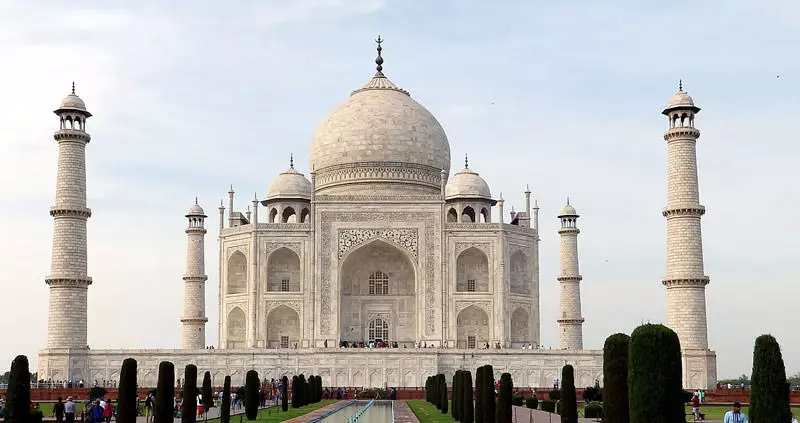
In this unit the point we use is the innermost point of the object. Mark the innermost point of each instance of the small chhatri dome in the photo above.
(290, 184)
(567, 210)
(681, 100)
(467, 184)
(380, 125)
(195, 210)
(72, 103)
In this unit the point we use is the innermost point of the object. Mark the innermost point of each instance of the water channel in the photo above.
(378, 412)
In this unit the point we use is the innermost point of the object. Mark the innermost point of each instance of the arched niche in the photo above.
(472, 328)
(383, 264)
(452, 215)
(468, 215)
(235, 332)
(289, 215)
(520, 326)
(283, 271)
(283, 327)
(237, 274)
(472, 271)
(521, 277)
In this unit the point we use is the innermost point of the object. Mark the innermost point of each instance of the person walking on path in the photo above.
(735, 415)
(148, 408)
(696, 407)
(69, 410)
(58, 411)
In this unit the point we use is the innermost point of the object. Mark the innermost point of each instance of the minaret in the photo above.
(685, 280)
(570, 320)
(500, 203)
(193, 321)
(68, 279)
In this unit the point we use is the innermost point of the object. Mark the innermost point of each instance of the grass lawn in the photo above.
(427, 412)
(47, 408)
(717, 412)
(275, 415)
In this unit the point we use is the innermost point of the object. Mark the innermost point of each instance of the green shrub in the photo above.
(517, 400)
(592, 394)
(454, 410)
(443, 402)
(428, 394)
(126, 396)
(467, 410)
(554, 395)
(593, 411)
(285, 393)
(532, 402)
(18, 393)
(479, 395)
(37, 415)
(97, 392)
(165, 393)
(489, 398)
(225, 406)
(251, 394)
(295, 392)
(615, 379)
(549, 405)
(504, 399)
(208, 394)
(769, 392)
(189, 414)
(655, 389)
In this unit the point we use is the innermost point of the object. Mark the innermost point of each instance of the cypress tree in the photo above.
(301, 381)
(467, 407)
(225, 406)
(435, 395)
(480, 394)
(295, 392)
(655, 391)
(285, 393)
(165, 393)
(454, 411)
(504, 399)
(769, 392)
(18, 394)
(189, 414)
(615, 379)
(569, 399)
(251, 391)
(208, 394)
(489, 404)
(443, 401)
(126, 397)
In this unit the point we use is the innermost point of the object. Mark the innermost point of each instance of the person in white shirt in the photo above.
(735, 415)
(794, 419)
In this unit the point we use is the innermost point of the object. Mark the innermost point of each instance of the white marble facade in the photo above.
(378, 243)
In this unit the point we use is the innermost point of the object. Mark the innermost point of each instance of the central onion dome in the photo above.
(380, 135)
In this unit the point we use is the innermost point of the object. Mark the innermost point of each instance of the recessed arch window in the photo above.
(378, 330)
(379, 283)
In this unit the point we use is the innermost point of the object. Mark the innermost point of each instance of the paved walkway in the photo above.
(403, 413)
(318, 412)
(212, 414)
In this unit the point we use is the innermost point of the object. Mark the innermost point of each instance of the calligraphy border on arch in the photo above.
(486, 247)
(432, 228)
(405, 238)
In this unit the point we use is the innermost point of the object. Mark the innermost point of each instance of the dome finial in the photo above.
(291, 160)
(568, 200)
(195, 200)
(466, 161)
(379, 59)
(680, 85)
(73, 87)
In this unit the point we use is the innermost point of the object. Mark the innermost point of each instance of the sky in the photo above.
(191, 97)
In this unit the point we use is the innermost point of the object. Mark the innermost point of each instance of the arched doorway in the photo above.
(283, 328)
(521, 280)
(378, 285)
(283, 268)
(237, 274)
(520, 328)
(472, 328)
(472, 271)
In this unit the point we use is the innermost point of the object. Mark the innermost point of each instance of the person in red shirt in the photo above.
(108, 411)
(696, 407)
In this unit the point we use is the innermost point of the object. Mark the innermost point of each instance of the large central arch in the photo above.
(377, 281)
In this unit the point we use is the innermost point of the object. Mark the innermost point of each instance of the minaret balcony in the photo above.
(683, 210)
(682, 132)
(569, 278)
(59, 281)
(687, 281)
(71, 135)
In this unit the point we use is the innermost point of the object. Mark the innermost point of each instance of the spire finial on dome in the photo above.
(568, 200)
(680, 85)
(73, 87)
(466, 161)
(379, 59)
(195, 200)
(291, 160)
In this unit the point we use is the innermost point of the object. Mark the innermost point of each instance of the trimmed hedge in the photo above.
(554, 395)
(569, 400)
(208, 394)
(593, 411)
(225, 406)
(467, 408)
(655, 391)
(126, 396)
(615, 379)
(443, 402)
(517, 400)
(769, 392)
(18, 394)
(189, 414)
(489, 399)
(549, 406)
(504, 399)
(532, 402)
(285, 393)
(480, 394)
(454, 411)
(165, 393)
(252, 387)
(295, 391)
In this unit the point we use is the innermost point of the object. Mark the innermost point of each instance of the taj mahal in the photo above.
(378, 245)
